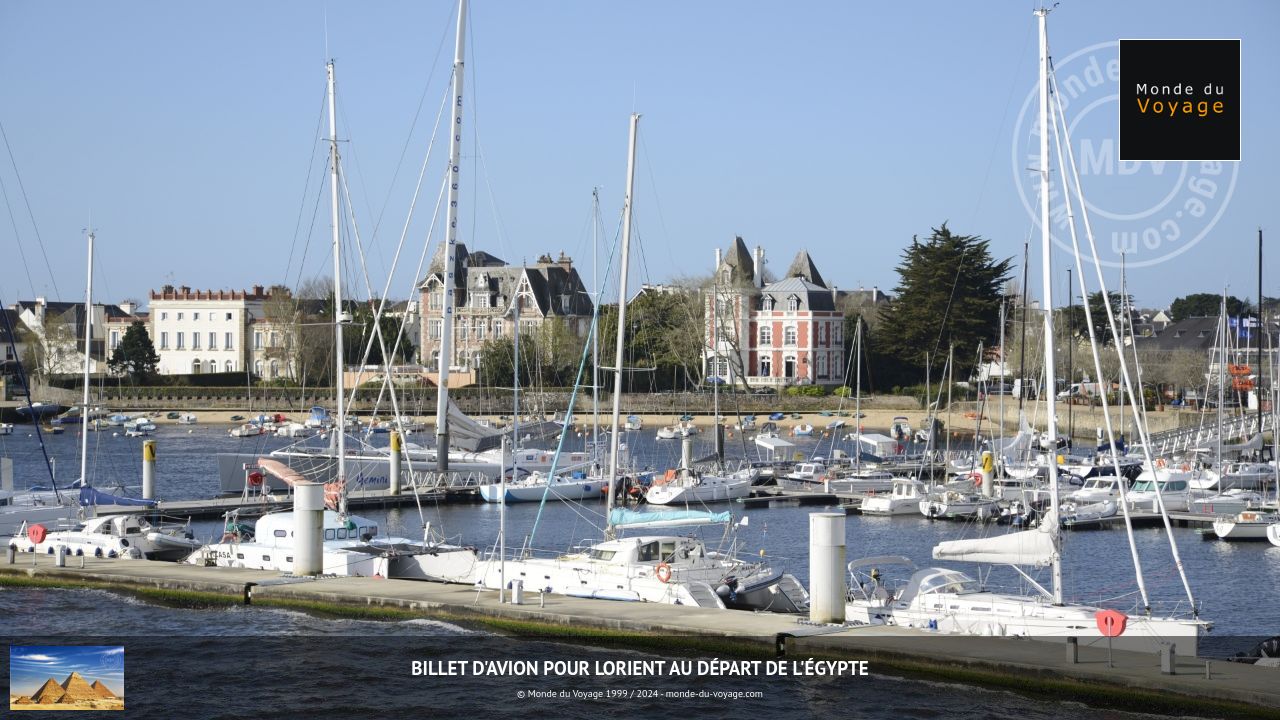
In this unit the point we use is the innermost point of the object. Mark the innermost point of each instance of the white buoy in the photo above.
(149, 470)
(826, 567)
(394, 479)
(308, 518)
(988, 474)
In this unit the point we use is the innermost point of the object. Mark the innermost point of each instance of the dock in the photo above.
(1197, 686)
(262, 504)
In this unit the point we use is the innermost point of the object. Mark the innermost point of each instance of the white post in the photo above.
(88, 341)
(451, 248)
(339, 390)
(149, 470)
(308, 518)
(686, 452)
(396, 454)
(826, 567)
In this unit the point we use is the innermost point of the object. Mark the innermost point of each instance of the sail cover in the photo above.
(623, 518)
(1028, 547)
(280, 470)
(91, 496)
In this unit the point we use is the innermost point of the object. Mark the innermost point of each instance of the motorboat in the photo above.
(633, 422)
(802, 430)
(1099, 488)
(1246, 476)
(294, 430)
(677, 570)
(1076, 514)
(6, 428)
(958, 501)
(246, 430)
(691, 486)
(351, 546)
(1173, 487)
(123, 536)
(187, 419)
(746, 424)
(903, 500)
(682, 429)
(1273, 533)
(1231, 502)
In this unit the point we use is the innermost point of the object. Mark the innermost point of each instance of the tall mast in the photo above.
(857, 392)
(338, 318)
(595, 330)
(88, 340)
(1046, 243)
(627, 203)
(1257, 386)
(1071, 346)
(451, 247)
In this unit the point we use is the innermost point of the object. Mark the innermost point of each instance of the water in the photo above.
(1229, 580)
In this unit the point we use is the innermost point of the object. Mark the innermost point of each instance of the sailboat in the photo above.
(351, 544)
(672, 569)
(949, 601)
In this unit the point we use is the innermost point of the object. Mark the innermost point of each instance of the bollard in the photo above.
(826, 567)
(542, 598)
(149, 470)
(13, 554)
(81, 561)
(1073, 651)
(308, 515)
(517, 592)
(1168, 659)
(394, 478)
(988, 474)
(60, 556)
(1207, 675)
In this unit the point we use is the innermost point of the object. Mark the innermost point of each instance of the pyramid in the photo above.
(50, 692)
(102, 690)
(23, 700)
(75, 689)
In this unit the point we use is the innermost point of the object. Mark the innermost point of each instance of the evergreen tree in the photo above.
(135, 356)
(949, 291)
(1206, 305)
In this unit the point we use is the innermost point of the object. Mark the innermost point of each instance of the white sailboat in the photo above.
(949, 601)
(648, 568)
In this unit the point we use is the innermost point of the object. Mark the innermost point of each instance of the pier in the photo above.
(1194, 686)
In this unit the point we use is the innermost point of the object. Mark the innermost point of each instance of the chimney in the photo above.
(835, 295)
(128, 307)
(875, 294)
(718, 259)
(759, 267)
(186, 289)
(257, 290)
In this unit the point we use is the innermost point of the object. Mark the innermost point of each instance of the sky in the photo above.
(191, 136)
(31, 665)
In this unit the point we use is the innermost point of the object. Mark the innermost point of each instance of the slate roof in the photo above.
(738, 262)
(804, 267)
(812, 297)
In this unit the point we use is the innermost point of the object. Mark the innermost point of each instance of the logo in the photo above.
(1146, 211)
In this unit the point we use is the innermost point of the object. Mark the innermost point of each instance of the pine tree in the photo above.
(949, 291)
(135, 355)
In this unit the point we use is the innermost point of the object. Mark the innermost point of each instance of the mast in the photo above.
(88, 340)
(857, 393)
(595, 333)
(451, 247)
(1046, 243)
(1222, 374)
(622, 317)
(1071, 346)
(1257, 387)
(338, 317)
(1022, 345)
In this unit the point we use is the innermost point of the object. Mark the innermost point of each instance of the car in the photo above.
(764, 391)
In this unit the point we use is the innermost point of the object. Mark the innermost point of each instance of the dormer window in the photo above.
(766, 304)
(793, 303)
(564, 302)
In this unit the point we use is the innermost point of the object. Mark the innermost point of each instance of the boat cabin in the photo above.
(277, 529)
(649, 549)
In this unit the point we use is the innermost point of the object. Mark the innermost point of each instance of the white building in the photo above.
(204, 331)
(58, 329)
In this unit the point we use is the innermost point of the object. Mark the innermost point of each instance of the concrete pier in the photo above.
(1216, 688)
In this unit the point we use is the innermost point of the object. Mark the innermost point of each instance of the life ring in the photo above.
(1185, 467)
(255, 479)
(663, 572)
(977, 479)
(1160, 462)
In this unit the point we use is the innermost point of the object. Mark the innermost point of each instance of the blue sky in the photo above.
(188, 133)
(31, 665)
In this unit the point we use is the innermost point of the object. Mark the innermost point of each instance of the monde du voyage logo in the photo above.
(1159, 182)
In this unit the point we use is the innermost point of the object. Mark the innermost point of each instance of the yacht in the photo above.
(692, 486)
(125, 536)
(904, 500)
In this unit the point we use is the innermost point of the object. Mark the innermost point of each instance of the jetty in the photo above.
(1156, 683)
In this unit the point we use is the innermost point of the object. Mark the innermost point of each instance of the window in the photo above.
(164, 316)
(462, 330)
(115, 339)
(179, 316)
(789, 336)
(789, 367)
(275, 339)
(257, 368)
(257, 341)
(497, 328)
(195, 341)
(766, 367)
(275, 368)
(195, 367)
(228, 316)
(329, 534)
(280, 533)
(179, 346)
(839, 332)
(435, 300)
(766, 303)
(480, 299)
(822, 365)
(766, 334)
(195, 316)
(164, 341)
(433, 329)
(213, 341)
(229, 367)
(793, 303)
(226, 341)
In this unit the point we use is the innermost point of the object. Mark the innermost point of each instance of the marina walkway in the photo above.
(994, 658)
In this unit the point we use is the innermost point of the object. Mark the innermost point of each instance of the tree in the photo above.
(1073, 317)
(949, 291)
(1205, 305)
(135, 356)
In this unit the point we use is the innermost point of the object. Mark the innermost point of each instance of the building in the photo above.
(205, 331)
(58, 329)
(485, 291)
(787, 332)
